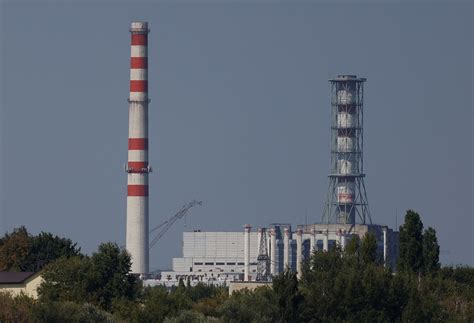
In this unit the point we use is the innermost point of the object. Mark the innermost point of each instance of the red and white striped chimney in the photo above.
(137, 167)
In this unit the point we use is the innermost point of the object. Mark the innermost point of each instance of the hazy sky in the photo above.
(239, 117)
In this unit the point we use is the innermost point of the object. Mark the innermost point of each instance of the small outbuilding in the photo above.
(18, 282)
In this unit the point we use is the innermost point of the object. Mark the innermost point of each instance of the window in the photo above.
(231, 264)
(209, 264)
(220, 263)
(198, 264)
(240, 263)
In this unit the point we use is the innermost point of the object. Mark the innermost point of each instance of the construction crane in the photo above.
(164, 226)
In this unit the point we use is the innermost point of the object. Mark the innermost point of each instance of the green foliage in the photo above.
(368, 248)
(244, 306)
(187, 317)
(411, 243)
(59, 312)
(430, 251)
(207, 299)
(66, 280)
(454, 287)
(460, 274)
(336, 286)
(14, 249)
(98, 279)
(418, 251)
(353, 247)
(45, 248)
(109, 275)
(156, 304)
(20, 251)
(15, 309)
(288, 297)
(320, 286)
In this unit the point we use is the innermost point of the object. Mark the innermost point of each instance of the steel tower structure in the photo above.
(263, 260)
(137, 166)
(346, 195)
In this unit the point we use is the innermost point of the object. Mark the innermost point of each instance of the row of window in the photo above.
(222, 263)
(221, 270)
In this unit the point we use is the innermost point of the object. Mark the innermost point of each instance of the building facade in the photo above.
(219, 257)
(213, 256)
(17, 283)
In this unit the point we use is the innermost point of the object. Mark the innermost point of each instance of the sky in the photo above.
(239, 117)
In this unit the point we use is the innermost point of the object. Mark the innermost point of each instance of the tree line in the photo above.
(350, 285)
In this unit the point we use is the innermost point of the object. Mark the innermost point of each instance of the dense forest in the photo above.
(349, 285)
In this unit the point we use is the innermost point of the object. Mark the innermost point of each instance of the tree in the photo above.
(69, 312)
(45, 248)
(15, 308)
(353, 246)
(285, 287)
(430, 251)
(20, 251)
(411, 243)
(186, 317)
(109, 275)
(209, 306)
(14, 250)
(66, 279)
(320, 287)
(368, 248)
(98, 279)
(245, 306)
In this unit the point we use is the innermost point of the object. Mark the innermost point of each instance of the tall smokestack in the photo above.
(137, 167)
(286, 249)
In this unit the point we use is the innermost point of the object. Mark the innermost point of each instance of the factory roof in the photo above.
(9, 277)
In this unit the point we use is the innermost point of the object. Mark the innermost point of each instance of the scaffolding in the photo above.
(263, 259)
(346, 197)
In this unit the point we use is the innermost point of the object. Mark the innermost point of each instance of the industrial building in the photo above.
(254, 255)
(222, 257)
(247, 255)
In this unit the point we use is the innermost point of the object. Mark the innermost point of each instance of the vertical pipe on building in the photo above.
(138, 167)
(247, 228)
(299, 252)
(259, 239)
(384, 230)
(325, 241)
(312, 240)
(286, 249)
(269, 237)
(273, 252)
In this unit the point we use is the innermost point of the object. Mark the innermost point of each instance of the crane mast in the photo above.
(163, 227)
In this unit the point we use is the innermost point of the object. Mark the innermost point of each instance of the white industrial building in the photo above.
(213, 256)
(221, 257)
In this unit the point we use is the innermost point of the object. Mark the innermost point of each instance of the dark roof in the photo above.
(9, 277)
(347, 78)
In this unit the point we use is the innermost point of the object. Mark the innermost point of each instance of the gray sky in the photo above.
(239, 116)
